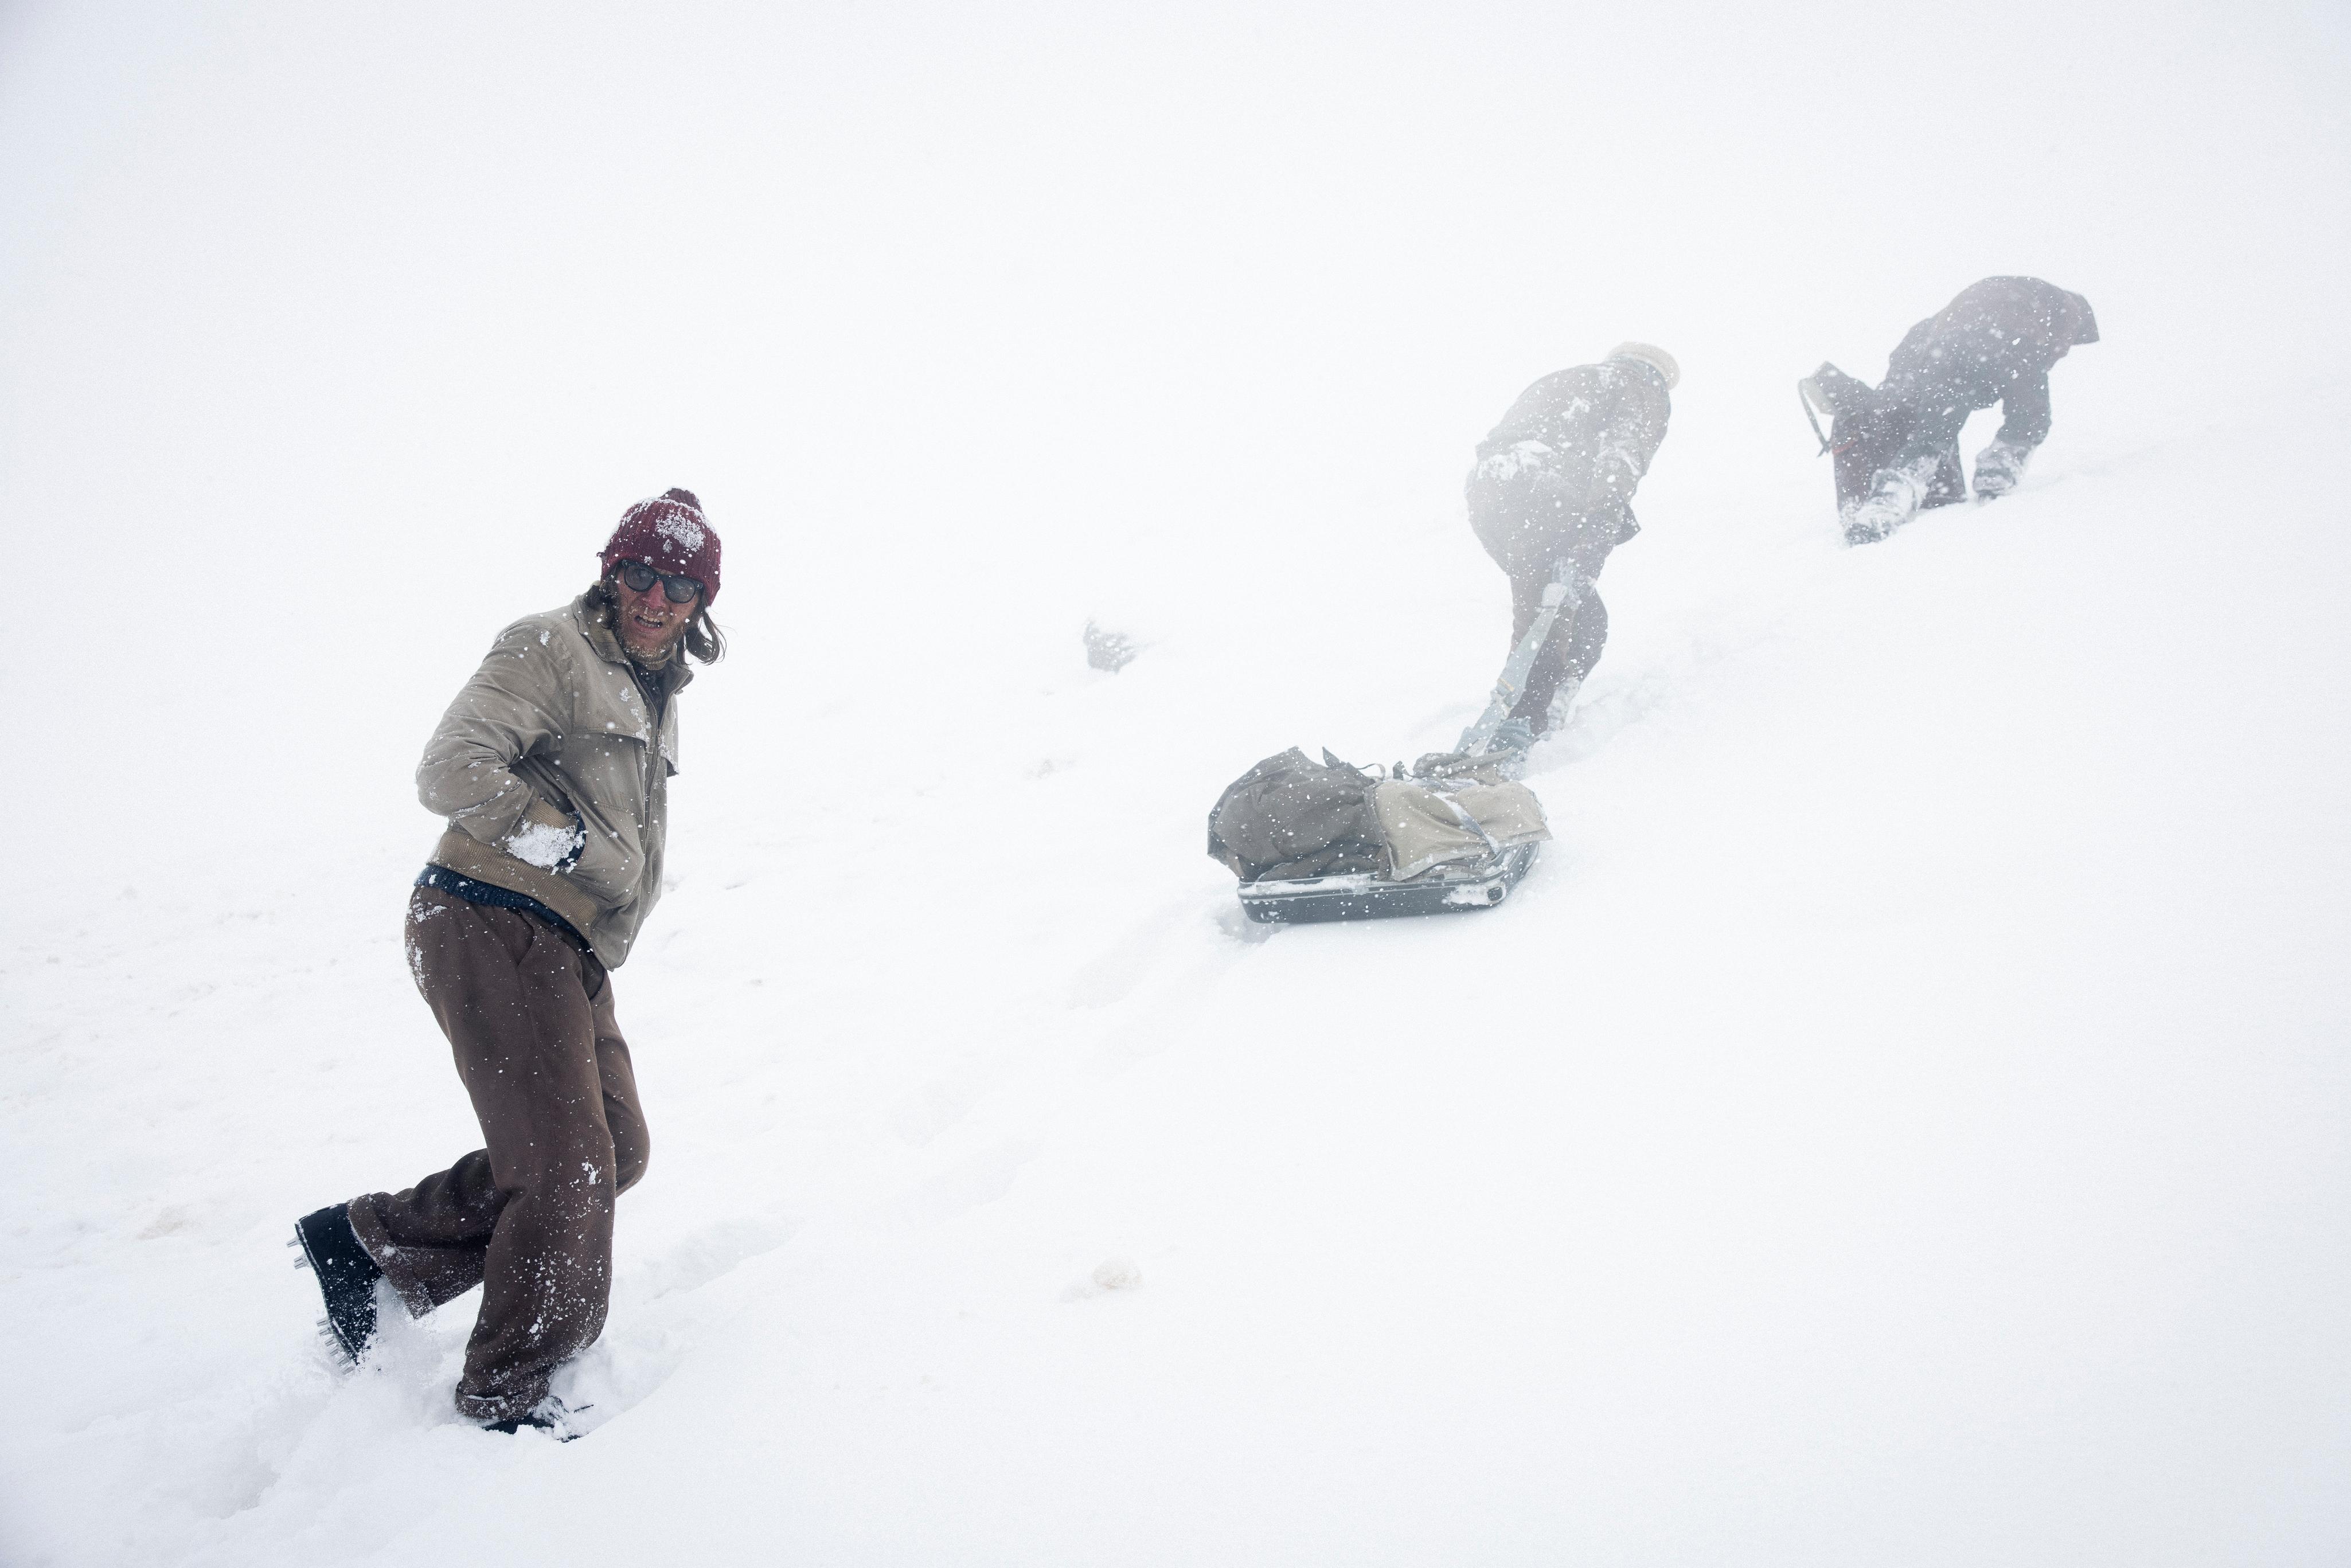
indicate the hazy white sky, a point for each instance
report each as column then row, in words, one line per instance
column 334, row 290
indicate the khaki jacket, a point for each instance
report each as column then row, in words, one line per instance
column 556, row 725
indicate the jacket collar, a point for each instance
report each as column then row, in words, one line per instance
column 595, row 625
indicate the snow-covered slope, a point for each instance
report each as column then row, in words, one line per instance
column 1901, row 1117
column 1900, row 1120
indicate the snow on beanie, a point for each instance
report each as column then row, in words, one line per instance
column 668, row 533
column 1653, row 357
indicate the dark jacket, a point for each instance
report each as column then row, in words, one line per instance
column 1594, row 428
column 1994, row 343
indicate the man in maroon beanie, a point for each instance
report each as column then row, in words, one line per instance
column 552, row 768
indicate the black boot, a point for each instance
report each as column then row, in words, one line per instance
column 346, row 1277
column 1999, row 468
column 550, row 1416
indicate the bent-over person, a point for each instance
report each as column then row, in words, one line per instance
column 1553, row 485
column 1897, row 445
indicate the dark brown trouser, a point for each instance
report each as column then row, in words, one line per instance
column 530, row 1219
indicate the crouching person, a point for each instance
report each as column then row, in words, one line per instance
column 552, row 768
column 1898, row 444
column 1552, row 489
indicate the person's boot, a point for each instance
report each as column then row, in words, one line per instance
column 1893, row 500
column 550, row 1416
column 1999, row 468
column 346, row 1277
column 1514, row 734
column 1556, row 716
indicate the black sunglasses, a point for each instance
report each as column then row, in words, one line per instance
column 641, row 578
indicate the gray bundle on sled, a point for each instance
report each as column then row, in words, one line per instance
column 1331, row 842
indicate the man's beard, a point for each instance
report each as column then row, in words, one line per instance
column 658, row 658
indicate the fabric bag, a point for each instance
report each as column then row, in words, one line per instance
column 1290, row 818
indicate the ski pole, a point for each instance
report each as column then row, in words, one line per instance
column 1560, row 597
column 1804, row 389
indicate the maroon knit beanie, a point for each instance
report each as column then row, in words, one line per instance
column 668, row 533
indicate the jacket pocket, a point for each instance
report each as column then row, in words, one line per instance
column 605, row 781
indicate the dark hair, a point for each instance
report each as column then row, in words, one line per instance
column 703, row 642
column 704, row 639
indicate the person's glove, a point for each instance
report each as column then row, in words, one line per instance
column 1998, row 469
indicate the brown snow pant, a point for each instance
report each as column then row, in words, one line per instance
column 529, row 1016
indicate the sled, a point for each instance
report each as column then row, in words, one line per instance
column 1454, row 889
column 1456, row 830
